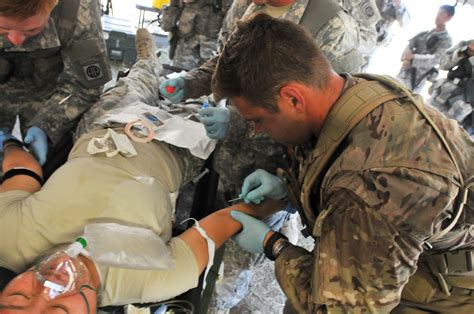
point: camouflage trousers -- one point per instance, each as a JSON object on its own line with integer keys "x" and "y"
{"x": 192, "y": 52}
{"x": 140, "y": 85}
{"x": 405, "y": 77}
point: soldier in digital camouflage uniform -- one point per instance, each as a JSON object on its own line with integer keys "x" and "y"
{"x": 424, "y": 51}
{"x": 384, "y": 208}
{"x": 196, "y": 23}
{"x": 390, "y": 11}
{"x": 366, "y": 13}
{"x": 51, "y": 74}
{"x": 454, "y": 95}
{"x": 242, "y": 150}
{"x": 374, "y": 18}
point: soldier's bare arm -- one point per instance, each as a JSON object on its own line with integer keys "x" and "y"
{"x": 220, "y": 226}
{"x": 16, "y": 157}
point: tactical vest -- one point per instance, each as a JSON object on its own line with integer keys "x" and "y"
{"x": 349, "y": 110}
{"x": 451, "y": 269}
{"x": 315, "y": 16}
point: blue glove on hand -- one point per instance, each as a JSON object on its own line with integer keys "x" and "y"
{"x": 216, "y": 121}
{"x": 38, "y": 143}
{"x": 173, "y": 89}
{"x": 253, "y": 232}
{"x": 260, "y": 184}
{"x": 4, "y": 135}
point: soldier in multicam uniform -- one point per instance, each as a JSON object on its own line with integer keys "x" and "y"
{"x": 424, "y": 51}
{"x": 242, "y": 150}
{"x": 194, "y": 26}
{"x": 454, "y": 95}
{"x": 53, "y": 65}
{"x": 392, "y": 215}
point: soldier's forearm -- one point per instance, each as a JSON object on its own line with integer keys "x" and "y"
{"x": 198, "y": 81}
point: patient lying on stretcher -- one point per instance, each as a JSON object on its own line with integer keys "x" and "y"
{"x": 135, "y": 191}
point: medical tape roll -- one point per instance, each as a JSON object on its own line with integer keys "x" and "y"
{"x": 133, "y": 137}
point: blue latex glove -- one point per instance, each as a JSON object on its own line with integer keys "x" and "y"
{"x": 260, "y": 184}
{"x": 253, "y": 232}
{"x": 38, "y": 143}
{"x": 4, "y": 135}
{"x": 173, "y": 89}
{"x": 216, "y": 121}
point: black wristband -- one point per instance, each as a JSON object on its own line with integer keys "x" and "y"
{"x": 268, "y": 249}
{"x": 12, "y": 142}
{"x": 21, "y": 171}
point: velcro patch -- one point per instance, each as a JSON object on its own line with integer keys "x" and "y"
{"x": 93, "y": 71}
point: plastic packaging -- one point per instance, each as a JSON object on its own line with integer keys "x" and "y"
{"x": 116, "y": 245}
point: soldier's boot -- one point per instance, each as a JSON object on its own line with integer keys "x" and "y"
{"x": 145, "y": 44}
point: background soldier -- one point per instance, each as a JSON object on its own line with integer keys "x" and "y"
{"x": 390, "y": 11}
{"x": 454, "y": 95}
{"x": 194, "y": 26}
{"x": 424, "y": 51}
{"x": 366, "y": 13}
{"x": 53, "y": 65}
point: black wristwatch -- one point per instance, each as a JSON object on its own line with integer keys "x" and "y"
{"x": 275, "y": 245}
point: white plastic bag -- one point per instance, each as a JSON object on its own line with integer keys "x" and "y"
{"x": 116, "y": 245}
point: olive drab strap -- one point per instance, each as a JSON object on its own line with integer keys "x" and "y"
{"x": 353, "y": 106}
{"x": 465, "y": 186}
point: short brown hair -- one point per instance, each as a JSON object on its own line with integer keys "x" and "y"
{"x": 23, "y": 9}
{"x": 262, "y": 55}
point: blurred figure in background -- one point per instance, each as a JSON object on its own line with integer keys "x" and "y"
{"x": 194, "y": 26}
{"x": 454, "y": 95}
{"x": 390, "y": 11}
{"x": 423, "y": 53}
